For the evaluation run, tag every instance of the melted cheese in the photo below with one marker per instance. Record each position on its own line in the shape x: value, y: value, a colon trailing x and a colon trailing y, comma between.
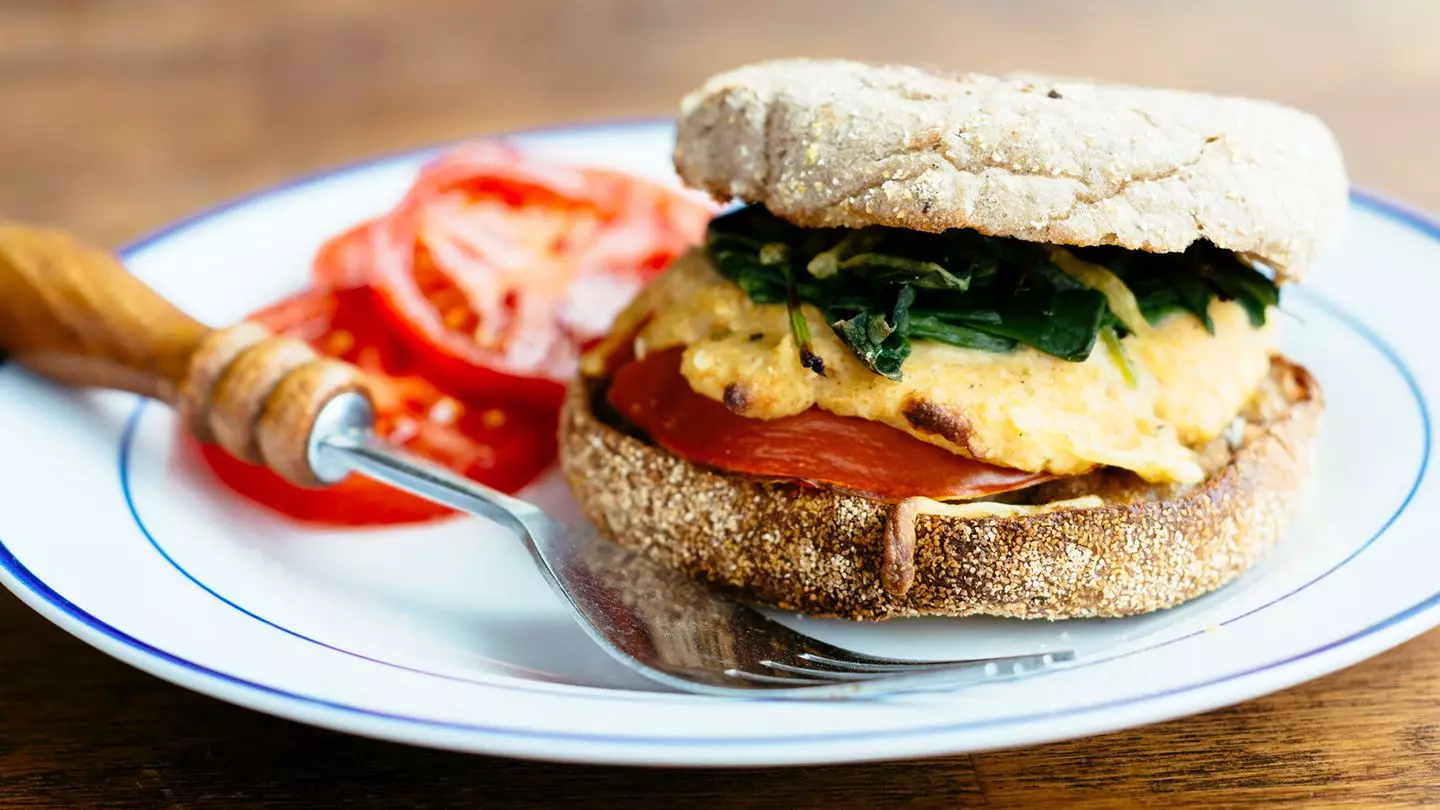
x: 986, y: 509
x: 1023, y: 409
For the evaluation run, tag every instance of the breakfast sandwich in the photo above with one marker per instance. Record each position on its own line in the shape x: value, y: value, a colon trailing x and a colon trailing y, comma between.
x: 965, y: 344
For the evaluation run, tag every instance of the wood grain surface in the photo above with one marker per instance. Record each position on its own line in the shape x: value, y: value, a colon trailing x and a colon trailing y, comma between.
x: 116, y: 117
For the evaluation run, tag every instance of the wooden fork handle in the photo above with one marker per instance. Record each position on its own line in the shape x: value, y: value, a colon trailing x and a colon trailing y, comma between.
x: 71, y: 312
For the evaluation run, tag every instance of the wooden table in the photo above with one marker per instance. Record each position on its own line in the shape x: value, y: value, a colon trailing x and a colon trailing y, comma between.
x: 116, y: 117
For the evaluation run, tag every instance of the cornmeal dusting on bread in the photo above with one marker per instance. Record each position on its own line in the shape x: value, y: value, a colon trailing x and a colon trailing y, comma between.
x: 1024, y: 409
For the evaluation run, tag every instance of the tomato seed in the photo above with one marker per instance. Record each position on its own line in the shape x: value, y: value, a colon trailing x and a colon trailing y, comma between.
x: 446, y: 411
x: 403, y: 430
x: 337, y: 343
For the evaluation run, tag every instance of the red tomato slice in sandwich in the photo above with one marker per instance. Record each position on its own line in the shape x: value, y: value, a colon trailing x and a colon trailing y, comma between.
x: 499, y: 271
x: 816, y: 446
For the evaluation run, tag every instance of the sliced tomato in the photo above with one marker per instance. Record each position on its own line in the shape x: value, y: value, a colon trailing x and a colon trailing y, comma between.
x: 497, y: 271
x: 491, y: 441
x: 344, y: 261
x: 816, y: 446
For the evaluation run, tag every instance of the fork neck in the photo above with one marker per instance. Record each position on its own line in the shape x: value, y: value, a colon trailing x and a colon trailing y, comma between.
x: 361, y: 451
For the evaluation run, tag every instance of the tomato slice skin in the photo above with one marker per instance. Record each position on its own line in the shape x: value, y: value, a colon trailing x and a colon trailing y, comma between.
x: 344, y: 261
x: 475, y: 270
x: 847, y: 453
x: 488, y: 440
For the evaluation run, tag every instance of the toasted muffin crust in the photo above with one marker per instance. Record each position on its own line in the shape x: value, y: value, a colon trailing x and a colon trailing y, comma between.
x: 822, y: 552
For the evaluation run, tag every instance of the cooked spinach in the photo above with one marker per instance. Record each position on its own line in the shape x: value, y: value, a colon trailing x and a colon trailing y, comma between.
x: 1167, y: 283
x: 880, y: 288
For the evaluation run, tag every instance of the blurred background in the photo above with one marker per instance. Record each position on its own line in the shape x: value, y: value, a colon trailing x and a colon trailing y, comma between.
x: 120, y: 115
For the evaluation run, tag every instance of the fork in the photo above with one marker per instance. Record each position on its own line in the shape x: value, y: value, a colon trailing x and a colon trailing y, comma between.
x: 72, y: 313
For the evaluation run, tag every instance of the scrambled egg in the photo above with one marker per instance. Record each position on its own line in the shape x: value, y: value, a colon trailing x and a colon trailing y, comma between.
x: 1023, y: 409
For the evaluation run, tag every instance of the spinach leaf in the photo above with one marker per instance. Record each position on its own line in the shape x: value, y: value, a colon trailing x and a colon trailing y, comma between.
x: 879, y: 288
x: 741, y: 263
x: 929, y: 327
x: 883, y: 267
x: 1064, y: 323
x: 1194, y: 297
x: 1251, y: 290
x: 799, y: 327
x: 881, y: 344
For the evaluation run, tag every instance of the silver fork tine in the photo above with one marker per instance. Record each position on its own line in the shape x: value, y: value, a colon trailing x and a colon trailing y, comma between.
x: 820, y: 684
x: 883, y: 665
x: 928, y: 679
x: 995, y: 667
x: 816, y: 674
x: 776, y: 679
x: 815, y: 651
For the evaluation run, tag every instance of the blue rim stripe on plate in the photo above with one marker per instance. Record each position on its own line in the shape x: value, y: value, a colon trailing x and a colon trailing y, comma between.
x: 37, y: 588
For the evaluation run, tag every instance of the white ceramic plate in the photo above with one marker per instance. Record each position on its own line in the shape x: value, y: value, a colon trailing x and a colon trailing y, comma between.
x: 444, y: 636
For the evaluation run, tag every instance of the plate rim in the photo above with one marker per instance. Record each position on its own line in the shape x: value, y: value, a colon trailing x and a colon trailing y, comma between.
x: 171, y: 667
